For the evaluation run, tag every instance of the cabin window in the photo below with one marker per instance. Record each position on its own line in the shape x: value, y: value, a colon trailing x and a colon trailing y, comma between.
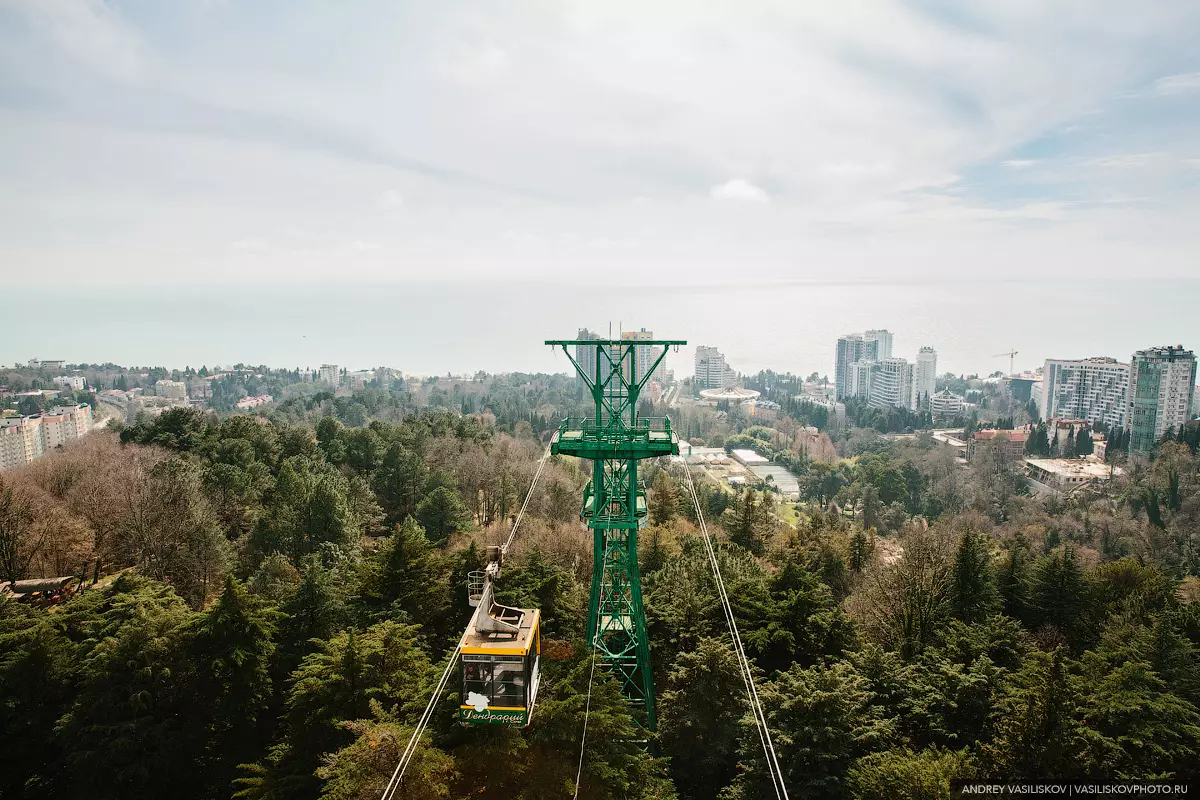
x: 501, y: 679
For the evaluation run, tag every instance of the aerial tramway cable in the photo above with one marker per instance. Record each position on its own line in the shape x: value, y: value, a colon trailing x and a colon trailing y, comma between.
x: 406, y: 757
x: 587, y: 708
x: 760, y: 719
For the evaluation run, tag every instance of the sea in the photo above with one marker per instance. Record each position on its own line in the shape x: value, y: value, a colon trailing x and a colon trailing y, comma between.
x: 463, y: 327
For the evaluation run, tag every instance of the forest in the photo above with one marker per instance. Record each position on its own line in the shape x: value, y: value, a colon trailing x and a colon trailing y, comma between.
x: 269, y: 601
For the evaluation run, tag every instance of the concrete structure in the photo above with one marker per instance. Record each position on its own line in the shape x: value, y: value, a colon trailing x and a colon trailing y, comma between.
x: 172, y: 390
x: 729, y: 394
x: 37, y: 363
x: 1061, y: 475
x: 859, y: 384
x: 75, y: 383
x: 1161, y: 383
x: 24, y: 439
x: 891, y: 384
x: 851, y: 348
x: 1093, y: 389
x: 883, y: 338
x: 711, y: 370
x: 645, y: 355
x: 946, y: 404
x: 924, y: 378
x: 1012, y: 443
x: 749, y: 458
x: 330, y: 374
x: 586, y: 356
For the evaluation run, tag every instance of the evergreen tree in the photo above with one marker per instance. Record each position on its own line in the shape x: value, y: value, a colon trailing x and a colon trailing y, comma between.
x: 824, y: 721
x: 1038, y: 726
x: 973, y: 594
x: 1154, y: 731
x: 1068, y: 448
x: 1059, y: 595
x: 350, y: 677
x: 861, y: 548
x: 746, y: 529
x: 701, y: 737
x: 443, y: 512
x: 1083, y: 443
x: 664, y: 502
x: 904, y: 775
x: 405, y: 575
x: 315, y: 612
x: 230, y: 647
x: 399, y: 482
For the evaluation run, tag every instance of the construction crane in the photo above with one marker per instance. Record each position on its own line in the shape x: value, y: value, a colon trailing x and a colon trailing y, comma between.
x: 1011, y: 355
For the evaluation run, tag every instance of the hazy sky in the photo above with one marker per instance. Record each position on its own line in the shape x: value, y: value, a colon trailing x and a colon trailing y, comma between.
x: 220, y: 141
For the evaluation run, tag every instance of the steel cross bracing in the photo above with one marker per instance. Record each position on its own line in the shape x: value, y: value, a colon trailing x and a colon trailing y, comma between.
x: 614, y: 439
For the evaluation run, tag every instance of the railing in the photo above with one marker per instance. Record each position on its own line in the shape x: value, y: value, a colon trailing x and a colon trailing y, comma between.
x: 615, y: 430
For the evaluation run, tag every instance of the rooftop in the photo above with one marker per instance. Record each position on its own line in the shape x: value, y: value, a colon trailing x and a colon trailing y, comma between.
x: 1074, y: 467
x: 732, y: 393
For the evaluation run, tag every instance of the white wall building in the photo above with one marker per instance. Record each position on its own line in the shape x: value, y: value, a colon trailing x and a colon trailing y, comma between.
x: 75, y: 383
x: 175, y: 390
x: 646, y: 355
x: 1094, y: 389
x: 859, y: 379
x: 884, y: 338
x: 330, y: 374
x: 891, y: 384
x: 711, y: 370
x: 924, y: 378
x: 23, y: 439
x: 854, y: 348
x: 946, y: 404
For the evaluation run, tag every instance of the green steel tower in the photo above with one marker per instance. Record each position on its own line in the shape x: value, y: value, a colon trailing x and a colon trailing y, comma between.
x: 614, y: 502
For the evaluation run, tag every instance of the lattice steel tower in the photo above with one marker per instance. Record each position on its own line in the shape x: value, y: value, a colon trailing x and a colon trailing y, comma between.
x: 614, y: 502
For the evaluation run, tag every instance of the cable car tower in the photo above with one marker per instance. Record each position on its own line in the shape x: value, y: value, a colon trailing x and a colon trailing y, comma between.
x: 614, y: 439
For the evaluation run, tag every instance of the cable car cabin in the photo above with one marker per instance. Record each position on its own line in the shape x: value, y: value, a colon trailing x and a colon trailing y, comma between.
x: 499, y: 672
x: 498, y: 668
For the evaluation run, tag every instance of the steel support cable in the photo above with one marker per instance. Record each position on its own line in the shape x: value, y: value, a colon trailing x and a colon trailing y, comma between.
x: 760, y: 718
x: 739, y: 651
x: 406, y: 757
x: 521, y: 514
x: 587, y: 709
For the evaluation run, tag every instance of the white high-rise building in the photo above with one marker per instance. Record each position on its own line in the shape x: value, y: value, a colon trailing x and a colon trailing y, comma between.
x: 924, y: 378
x: 852, y: 348
x: 586, y: 355
x: 646, y: 355
x: 711, y: 370
x: 1094, y: 389
x: 1161, y: 383
x: 860, y: 373
x: 330, y: 374
x: 884, y: 338
x: 891, y: 384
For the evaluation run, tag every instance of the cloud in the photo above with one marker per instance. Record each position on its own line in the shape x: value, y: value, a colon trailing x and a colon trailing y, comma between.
x: 390, y: 200
x: 1177, y: 84
x: 134, y: 133
x: 739, y: 190
x: 1127, y: 161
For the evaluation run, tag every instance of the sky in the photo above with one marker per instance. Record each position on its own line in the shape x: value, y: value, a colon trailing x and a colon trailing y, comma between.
x: 231, y: 142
